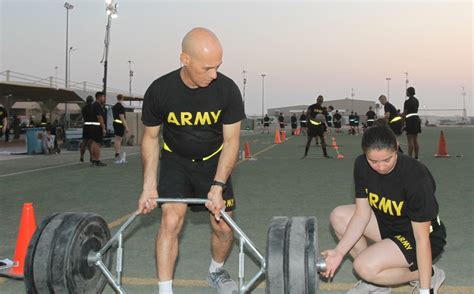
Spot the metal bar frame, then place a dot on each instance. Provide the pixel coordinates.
(244, 242)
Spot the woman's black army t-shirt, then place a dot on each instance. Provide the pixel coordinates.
(406, 194)
(192, 118)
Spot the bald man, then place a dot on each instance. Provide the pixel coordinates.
(200, 111)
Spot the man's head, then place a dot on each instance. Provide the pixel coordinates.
(100, 97)
(201, 57)
(410, 91)
(383, 99)
(320, 99)
(120, 98)
(370, 107)
(89, 99)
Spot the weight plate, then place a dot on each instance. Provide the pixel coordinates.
(312, 253)
(75, 240)
(277, 261)
(43, 254)
(296, 275)
(30, 256)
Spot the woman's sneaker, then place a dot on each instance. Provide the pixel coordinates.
(436, 281)
(220, 280)
(362, 287)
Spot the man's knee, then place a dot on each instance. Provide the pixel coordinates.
(171, 223)
(223, 230)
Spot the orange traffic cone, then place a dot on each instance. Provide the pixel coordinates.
(247, 151)
(334, 144)
(27, 228)
(277, 137)
(283, 136)
(442, 150)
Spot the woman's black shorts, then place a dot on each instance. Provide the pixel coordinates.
(119, 129)
(184, 178)
(407, 245)
(413, 125)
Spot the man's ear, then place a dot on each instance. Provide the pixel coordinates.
(184, 58)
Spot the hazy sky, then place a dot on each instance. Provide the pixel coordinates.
(304, 48)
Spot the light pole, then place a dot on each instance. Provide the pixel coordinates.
(69, 66)
(406, 83)
(352, 98)
(56, 76)
(388, 88)
(68, 7)
(130, 71)
(263, 95)
(243, 90)
(111, 10)
(464, 112)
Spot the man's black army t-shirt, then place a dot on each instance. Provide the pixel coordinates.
(406, 194)
(192, 118)
(117, 110)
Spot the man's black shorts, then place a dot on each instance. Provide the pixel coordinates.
(96, 134)
(183, 178)
(407, 245)
(119, 129)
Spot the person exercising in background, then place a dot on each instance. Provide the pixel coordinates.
(392, 117)
(412, 122)
(120, 126)
(294, 123)
(370, 117)
(393, 231)
(316, 125)
(266, 124)
(303, 123)
(281, 122)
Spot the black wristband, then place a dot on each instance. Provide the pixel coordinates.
(221, 184)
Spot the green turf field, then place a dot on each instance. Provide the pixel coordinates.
(279, 182)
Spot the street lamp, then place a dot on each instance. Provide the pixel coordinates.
(352, 98)
(69, 66)
(243, 90)
(130, 74)
(406, 83)
(111, 9)
(388, 88)
(68, 7)
(263, 95)
(464, 112)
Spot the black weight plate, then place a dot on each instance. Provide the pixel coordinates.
(76, 239)
(30, 255)
(43, 253)
(277, 240)
(312, 253)
(296, 272)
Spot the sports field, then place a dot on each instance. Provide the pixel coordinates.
(277, 183)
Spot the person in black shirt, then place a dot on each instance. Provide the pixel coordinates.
(294, 123)
(392, 117)
(200, 111)
(303, 123)
(317, 125)
(95, 120)
(412, 122)
(281, 122)
(337, 117)
(266, 124)
(87, 128)
(395, 208)
(370, 117)
(352, 123)
(4, 129)
(120, 126)
(356, 122)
